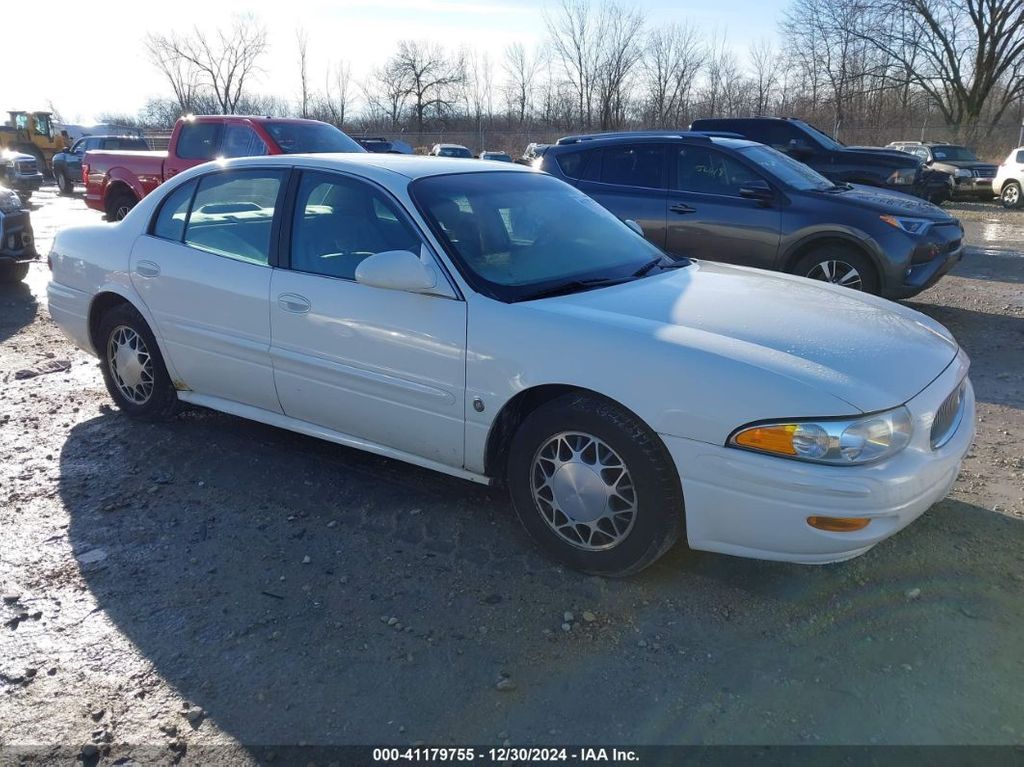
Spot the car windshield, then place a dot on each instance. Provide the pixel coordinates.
(454, 151)
(823, 138)
(299, 138)
(953, 153)
(790, 172)
(517, 235)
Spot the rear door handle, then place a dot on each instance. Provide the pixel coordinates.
(147, 269)
(682, 208)
(294, 303)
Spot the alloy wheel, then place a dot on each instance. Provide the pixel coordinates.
(837, 273)
(584, 491)
(1011, 195)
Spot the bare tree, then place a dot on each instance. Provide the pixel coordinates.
(968, 55)
(575, 43)
(180, 73)
(387, 93)
(520, 76)
(764, 65)
(619, 50)
(223, 61)
(671, 61)
(302, 40)
(336, 92)
(432, 76)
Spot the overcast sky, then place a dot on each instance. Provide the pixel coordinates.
(90, 64)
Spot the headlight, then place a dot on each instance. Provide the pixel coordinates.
(962, 173)
(903, 177)
(9, 202)
(908, 224)
(842, 442)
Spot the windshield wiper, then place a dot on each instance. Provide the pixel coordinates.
(660, 261)
(574, 286)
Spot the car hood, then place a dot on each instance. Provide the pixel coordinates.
(893, 203)
(967, 164)
(871, 353)
(892, 158)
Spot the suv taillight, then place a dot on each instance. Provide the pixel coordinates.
(85, 173)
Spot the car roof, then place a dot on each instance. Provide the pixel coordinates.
(572, 143)
(451, 146)
(374, 165)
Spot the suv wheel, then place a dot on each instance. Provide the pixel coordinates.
(121, 205)
(593, 486)
(1011, 195)
(64, 184)
(133, 369)
(12, 272)
(840, 266)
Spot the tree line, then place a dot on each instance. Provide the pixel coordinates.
(864, 70)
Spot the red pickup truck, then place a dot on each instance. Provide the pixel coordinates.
(116, 180)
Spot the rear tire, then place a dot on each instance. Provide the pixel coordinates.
(133, 368)
(120, 205)
(839, 265)
(11, 272)
(594, 486)
(1011, 196)
(64, 184)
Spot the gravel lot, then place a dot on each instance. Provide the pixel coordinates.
(214, 582)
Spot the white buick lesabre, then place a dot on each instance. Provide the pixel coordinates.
(496, 324)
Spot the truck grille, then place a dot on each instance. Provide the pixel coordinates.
(27, 166)
(948, 416)
(984, 172)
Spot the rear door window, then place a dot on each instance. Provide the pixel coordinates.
(199, 141)
(233, 214)
(169, 223)
(640, 165)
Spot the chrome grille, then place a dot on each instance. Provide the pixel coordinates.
(984, 172)
(948, 416)
(26, 166)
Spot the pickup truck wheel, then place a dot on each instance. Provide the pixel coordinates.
(120, 205)
(132, 366)
(593, 486)
(11, 272)
(840, 266)
(64, 184)
(1011, 196)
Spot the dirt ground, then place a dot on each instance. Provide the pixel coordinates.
(214, 582)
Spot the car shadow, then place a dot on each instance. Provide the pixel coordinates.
(991, 263)
(993, 341)
(298, 591)
(19, 308)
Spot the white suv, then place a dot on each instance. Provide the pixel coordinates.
(1010, 179)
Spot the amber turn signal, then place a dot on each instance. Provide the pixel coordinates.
(839, 524)
(770, 439)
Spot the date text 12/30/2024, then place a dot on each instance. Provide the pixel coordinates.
(502, 754)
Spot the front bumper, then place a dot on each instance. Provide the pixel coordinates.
(24, 182)
(973, 187)
(753, 505)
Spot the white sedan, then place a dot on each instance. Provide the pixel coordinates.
(500, 326)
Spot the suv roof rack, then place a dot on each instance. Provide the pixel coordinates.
(705, 135)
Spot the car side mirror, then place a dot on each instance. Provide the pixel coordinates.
(757, 189)
(401, 270)
(634, 226)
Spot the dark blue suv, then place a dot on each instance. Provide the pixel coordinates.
(720, 198)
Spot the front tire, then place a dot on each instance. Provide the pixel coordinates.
(839, 265)
(594, 486)
(133, 368)
(11, 272)
(1011, 196)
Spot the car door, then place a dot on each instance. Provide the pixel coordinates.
(707, 217)
(630, 181)
(73, 158)
(384, 366)
(203, 270)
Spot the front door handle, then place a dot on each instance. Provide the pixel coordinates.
(294, 303)
(682, 208)
(147, 269)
